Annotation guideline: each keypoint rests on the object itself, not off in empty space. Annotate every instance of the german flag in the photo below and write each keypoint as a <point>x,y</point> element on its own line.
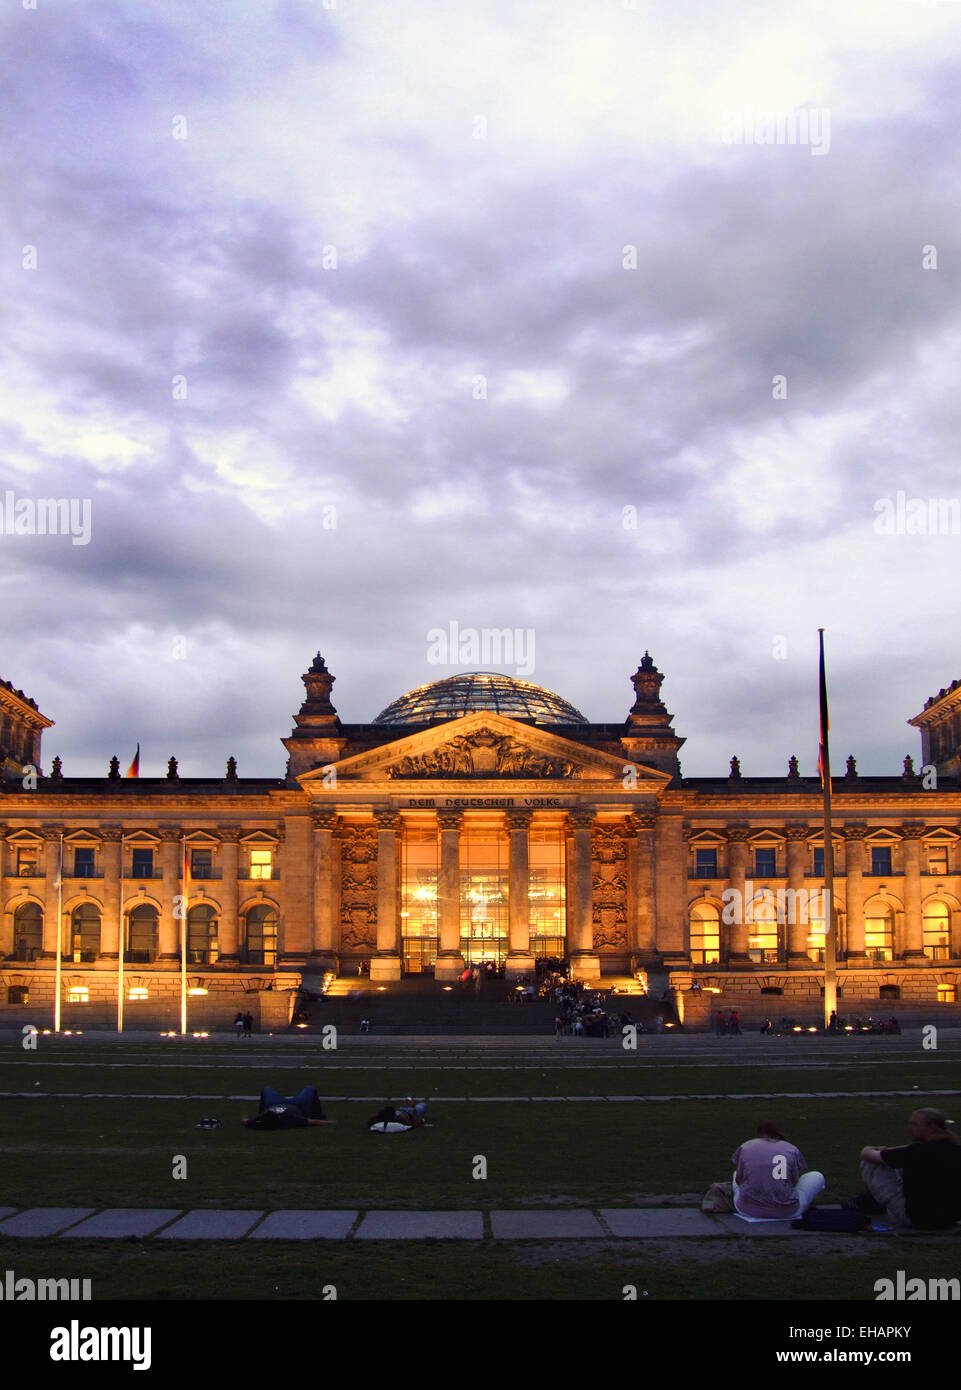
<point>134,769</point>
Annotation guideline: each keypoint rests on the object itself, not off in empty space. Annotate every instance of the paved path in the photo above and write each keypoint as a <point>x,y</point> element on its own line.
<point>627,1223</point>
<point>474,1100</point>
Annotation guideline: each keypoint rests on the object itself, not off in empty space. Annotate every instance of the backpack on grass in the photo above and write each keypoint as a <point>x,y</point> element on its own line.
<point>831,1219</point>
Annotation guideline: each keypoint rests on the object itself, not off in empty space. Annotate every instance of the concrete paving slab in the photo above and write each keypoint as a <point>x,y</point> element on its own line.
<point>211,1225</point>
<point>117,1222</point>
<point>735,1226</point>
<point>44,1221</point>
<point>305,1225</point>
<point>421,1225</point>
<point>659,1222</point>
<point>544,1225</point>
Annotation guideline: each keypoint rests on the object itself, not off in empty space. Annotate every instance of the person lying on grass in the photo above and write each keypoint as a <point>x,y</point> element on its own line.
<point>279,1112</point>
<point>409,1116</point>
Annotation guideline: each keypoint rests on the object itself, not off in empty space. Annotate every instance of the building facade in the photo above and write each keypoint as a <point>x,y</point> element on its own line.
<point>478,818</point>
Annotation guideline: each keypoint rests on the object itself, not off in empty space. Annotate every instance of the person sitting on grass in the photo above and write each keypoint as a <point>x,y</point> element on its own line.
<point>279,1112</point>
<point>770,1182</point>
<point>411,1116</point>
<point>917,1184</point>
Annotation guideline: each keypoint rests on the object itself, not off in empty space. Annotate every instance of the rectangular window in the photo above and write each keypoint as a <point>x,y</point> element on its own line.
<point>705,936</point>
<point>28,862</point>
<point>705,863</point>
<point>78,994</point>
<point>18,994</point>
<point>483,895</point>
<point>878,938</point>
<point>765,863</point>
<point>261,863</point>
<point>938,859</point>
<point>418,909</point>
<point>947,994</point>
<point>143,863</point>
<point>819,863</point>
<point>83,863</point>
<point>546,893</point>
<point>201,863</point>
<point>880,859</point>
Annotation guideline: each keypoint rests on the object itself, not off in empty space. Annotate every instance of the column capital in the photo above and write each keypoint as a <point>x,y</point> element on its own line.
<point>797,832</point>
<point>323,819</point>
<point>229,834</point>
<point>51,832</point>
<point>854,832</point>
<point>518,820</point>
<point>641,821</point>
<point>738,834</point>
<point>450,820</point>
<point>111,834</point>
<point>913,830</point>
<point>169,834</point>
<point>387,820</point>
<point>581,819</point>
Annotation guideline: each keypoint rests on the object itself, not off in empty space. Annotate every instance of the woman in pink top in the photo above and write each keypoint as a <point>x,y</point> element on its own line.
<point>770,1183</point>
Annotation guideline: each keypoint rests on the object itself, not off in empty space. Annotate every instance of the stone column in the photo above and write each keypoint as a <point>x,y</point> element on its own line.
<point>520,960</point>
<point>796,932</point>
<point>228,931</point>
<point>585,962</point>
<point>169,927</point>
<point>385,965</point>
<point>51,891</point>
<point>642,936</point>
<point>112,838</point>
<point>912,945</point>
<point>737,927</point>
<point>450,961</point>
<point>325,856</point>
<point>854,893</point>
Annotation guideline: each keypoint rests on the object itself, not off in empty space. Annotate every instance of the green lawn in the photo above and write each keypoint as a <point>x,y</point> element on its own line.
<point>62,1149</point>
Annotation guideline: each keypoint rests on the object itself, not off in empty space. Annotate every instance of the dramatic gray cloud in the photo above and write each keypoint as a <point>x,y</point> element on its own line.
<point>353,320</point>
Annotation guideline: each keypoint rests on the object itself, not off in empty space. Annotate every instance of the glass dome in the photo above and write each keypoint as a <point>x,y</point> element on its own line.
<point>476,690</point>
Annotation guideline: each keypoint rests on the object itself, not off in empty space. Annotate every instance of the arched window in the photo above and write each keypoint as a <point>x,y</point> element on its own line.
<point>762,938</point>
<point>261,947</point>
<point>705,934</point>
<point>84,941</point>
<point>142,934</point>
<point>879,933</point>
<point>201,930</point>
<point>936,924</point>
<point>27,931</point>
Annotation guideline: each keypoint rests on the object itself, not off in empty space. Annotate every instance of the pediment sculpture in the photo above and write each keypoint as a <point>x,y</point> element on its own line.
<point>484,754</point>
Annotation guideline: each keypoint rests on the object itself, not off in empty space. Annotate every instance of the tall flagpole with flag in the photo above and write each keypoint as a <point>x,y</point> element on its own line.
<point>829,914</point>
<point>183,943</point>
<point>134,769</point>
<point>58,971</point>
<point>122,944</point>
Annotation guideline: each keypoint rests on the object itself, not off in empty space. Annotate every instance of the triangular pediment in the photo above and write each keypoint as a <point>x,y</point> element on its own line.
<point>483,745</point>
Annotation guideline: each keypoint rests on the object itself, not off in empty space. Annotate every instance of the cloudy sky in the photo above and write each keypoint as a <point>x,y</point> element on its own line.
<point>351,320</point>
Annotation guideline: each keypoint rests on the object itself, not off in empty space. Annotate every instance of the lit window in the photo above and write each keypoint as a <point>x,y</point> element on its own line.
<point>27,863</point>
<point>261,861</point>
<point>938,859</point>
<point>705,935</point>
<point>78,994</point>
<point>936,938</point>
<point>879,938</point>
<point>138,992</point>
<point>947,994</point>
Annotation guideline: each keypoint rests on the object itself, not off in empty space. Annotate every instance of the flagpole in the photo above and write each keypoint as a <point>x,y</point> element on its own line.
<point>121,945</point>
<point>58,972</point>
<point>183,943</point>
<point>828,908</point>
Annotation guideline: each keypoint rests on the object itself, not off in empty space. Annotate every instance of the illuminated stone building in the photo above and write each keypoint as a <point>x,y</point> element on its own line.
<point>478,818</point>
